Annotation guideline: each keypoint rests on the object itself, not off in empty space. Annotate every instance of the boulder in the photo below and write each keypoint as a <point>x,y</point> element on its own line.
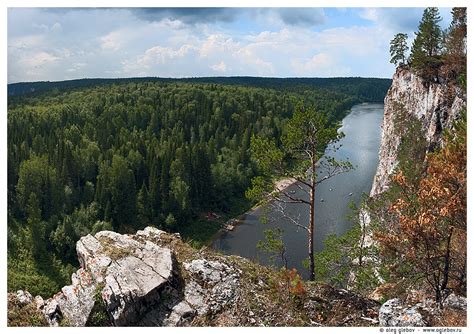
<point>221,284</point>
<point>394,314</point>
<point>137,278</point>
<point>456,302</point>
<point>24,297</point>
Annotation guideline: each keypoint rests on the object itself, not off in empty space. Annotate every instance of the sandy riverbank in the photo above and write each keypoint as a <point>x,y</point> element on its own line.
<point>282,184</point>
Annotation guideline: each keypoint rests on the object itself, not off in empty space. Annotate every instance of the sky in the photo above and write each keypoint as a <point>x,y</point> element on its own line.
<point>51,44</point>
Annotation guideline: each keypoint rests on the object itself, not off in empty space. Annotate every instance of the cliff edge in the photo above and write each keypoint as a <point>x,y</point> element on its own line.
<point>153,278</point>
<point>435,104</point>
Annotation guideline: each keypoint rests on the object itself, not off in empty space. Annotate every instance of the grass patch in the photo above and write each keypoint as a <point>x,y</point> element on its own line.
<point>111,250</point>
<point>24,315</point>
<point>99,316</point>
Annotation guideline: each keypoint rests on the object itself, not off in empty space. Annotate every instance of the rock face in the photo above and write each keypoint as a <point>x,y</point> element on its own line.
<point>393,314</point>
<point>138,280</point>
<point>436,105</point>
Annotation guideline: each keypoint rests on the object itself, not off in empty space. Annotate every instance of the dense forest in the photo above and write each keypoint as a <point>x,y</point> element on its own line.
<point>367,89</point>
<point>124,155</point>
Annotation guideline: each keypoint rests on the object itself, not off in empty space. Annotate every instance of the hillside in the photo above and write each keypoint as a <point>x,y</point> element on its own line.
<point>364,89</point>
<point>128,155</point>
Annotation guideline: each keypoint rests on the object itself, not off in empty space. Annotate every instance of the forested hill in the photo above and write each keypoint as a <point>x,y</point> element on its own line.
<point>365,89</point>
<point>121,155</point>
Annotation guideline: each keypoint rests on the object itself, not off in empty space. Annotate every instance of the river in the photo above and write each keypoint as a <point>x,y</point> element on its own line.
<point>362,129</point>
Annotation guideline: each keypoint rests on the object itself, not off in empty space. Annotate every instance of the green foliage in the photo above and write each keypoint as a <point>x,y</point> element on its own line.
<point>306,136</point>
<point>274,245</point>
<point>398,49</point>
<point>429,33</point>
<point>199,232</point>
<point>350,254</point>
<point>455,48</point>
<point>98,316</point>
<point>300,157</point>
<point>41,274</point>
<point>426,48</point>
<point>136,153</point>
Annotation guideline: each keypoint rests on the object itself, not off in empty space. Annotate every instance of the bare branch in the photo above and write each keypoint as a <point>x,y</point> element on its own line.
<point>281,209</point>
<point>297,200</point>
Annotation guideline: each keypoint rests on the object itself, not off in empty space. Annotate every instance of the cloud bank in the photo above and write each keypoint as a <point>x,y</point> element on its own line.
<point>68,43</point>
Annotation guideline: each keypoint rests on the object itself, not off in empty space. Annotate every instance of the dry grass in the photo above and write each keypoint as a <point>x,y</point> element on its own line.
<point>23,315</point>
<point>450,318</point>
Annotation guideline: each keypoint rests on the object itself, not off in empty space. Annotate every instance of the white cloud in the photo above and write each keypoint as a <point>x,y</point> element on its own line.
<point>114,42</point>
<point>157,55</point>
<point>38,59</point>
<point>57,27</point>
<point>111,41</point>
<point>220,67</point>
<point>217,43</point>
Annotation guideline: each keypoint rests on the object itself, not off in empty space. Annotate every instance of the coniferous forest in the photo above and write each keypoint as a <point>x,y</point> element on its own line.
<point>122,155</point>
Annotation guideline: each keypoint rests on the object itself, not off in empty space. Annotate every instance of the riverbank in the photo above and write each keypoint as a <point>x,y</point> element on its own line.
<point>233,222</point>
<point>360,146</point>
<point>284,183</point>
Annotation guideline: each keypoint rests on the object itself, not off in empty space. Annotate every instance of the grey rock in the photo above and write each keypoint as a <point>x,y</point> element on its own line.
<point>24,297</point>
<point>39,302</point>
<point>131,282</point>
<point>393,314</point>
<point>434,106</point>
<point>195,295</point>
<point>456,302</point>
<point>52,312</point>
<point>77,300</point>
<point>221,283</point>
<point>179,314</point>
<point>138,280</point>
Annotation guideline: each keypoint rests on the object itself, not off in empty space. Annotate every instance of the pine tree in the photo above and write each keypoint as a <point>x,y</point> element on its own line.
<point>427,44</point>
<point>455,44</point>
<point>398,48</point>
<point>143,207</point>
<point>302,159</point>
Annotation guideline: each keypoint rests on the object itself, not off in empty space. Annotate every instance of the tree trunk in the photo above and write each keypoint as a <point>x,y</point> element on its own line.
<point>311,236</point>
<point>311,221</point>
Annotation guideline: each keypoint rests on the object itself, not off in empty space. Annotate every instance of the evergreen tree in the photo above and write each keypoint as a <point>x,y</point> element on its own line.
<point>123,194</point>
<point>301,159</point>
<point>144,210</point>
<point>455,44</point>
<point>398,48</point>
<point>427,44</point>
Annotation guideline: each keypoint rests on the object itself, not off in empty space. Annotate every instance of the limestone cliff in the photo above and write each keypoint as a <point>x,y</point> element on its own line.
<point>435,104</point>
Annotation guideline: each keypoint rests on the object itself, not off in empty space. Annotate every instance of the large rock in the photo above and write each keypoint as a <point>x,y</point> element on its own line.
<point>220,288</point>
<point>24,297</point>
<point>456,302</point>
<point>394,314</point>
<point>138,280</point>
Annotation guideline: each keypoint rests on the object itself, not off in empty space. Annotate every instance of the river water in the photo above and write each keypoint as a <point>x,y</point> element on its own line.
<point>362,129</point>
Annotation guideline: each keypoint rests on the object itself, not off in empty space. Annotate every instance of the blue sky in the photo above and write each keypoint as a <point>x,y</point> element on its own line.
<point>70,43</point>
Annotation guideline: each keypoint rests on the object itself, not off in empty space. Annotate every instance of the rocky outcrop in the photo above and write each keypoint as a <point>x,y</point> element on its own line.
<point>436,105</point>
<point>394,313</point>
<point>139,282</point>
<point>153,278</point>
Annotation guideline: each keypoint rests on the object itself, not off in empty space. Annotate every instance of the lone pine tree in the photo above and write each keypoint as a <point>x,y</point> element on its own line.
<point>300,158</point>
